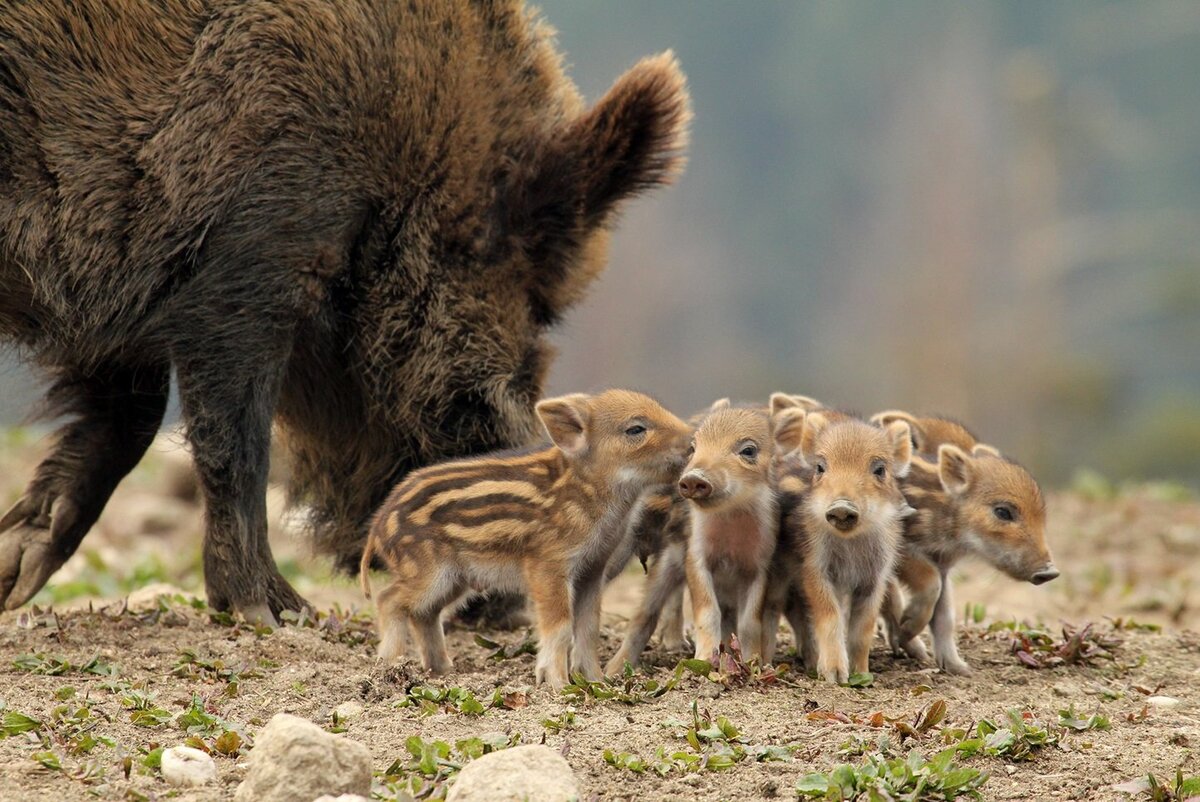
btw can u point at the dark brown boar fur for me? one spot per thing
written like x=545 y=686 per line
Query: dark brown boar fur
x=356 y=218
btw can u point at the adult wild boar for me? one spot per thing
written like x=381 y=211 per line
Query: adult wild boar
x=357 y=218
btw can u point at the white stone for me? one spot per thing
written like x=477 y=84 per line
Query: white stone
x=294 y=759
x=185 y=766
x=348 y=710
x=531 y=773
x=1165 y=702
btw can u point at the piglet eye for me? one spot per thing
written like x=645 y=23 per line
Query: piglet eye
x=749 y=451
x=879 y=470
x=819 y=468
x=691 y=449
x=1003 y=512
x=635 y=430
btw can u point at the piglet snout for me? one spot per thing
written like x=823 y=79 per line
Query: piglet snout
x=842 y=514
x=694 y=486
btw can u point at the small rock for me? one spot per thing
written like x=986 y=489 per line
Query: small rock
x=531 y=773
x=185 y=766
x=342 y=798
x=1164 y=702
x=294 y=759
x=348 y=710
x=1064 y=689
x=1011 y=770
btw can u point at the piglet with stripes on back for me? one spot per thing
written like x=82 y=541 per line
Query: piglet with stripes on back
x=543 y=521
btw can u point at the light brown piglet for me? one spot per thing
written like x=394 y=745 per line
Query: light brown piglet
x=544 y=521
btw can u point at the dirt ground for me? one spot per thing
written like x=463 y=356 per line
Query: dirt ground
x=90 y=689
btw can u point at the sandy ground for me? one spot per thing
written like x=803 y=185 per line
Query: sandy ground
x=1127 y=557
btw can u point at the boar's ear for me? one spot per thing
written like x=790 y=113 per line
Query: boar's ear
x=788 y=429
x=814 y=424
x=984 y=450
x=914 y=425
x=633 y=138
x=782 y=401
x=954 y=468
x=566 y=421
x=900 y=433
x=720 y=404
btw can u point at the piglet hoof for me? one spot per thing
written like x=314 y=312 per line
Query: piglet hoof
x=915 y=649
x=616 y=666
x=680 y=644
x=838 y=675
x=954 y=665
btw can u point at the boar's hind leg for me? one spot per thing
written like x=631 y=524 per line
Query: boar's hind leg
x=116 y=413
x=228 y=388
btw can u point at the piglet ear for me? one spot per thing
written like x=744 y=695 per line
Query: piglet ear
x=720 y=404
x=814 y=424
x=566 y=420
x=782 y=401
x=954 y=468
x=902 y=447
x=914 y=424
x=633 y=139
x=788 y=428
x=984 y=450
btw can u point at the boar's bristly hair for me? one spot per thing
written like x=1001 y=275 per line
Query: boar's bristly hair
x=352 y=218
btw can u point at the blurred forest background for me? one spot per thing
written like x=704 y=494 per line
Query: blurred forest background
x=990 y=210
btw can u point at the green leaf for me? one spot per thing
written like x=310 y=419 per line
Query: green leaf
x=864 y=680
x=15 y=723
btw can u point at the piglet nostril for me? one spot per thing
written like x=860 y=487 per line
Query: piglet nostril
x=1044 y=576
x=695 y=487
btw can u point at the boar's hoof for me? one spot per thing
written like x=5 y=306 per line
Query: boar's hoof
x=280 y=597
x=31 y=534
x=27 y=560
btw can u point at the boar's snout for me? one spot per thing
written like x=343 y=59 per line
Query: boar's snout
x=1045 y=575
x=694 y=486
x=842 y=514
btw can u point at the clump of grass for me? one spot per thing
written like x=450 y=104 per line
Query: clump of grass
x=53 y=665
x=713 y=745
x=1182 y=788
x=912 y=777
x=1068 y=719
x=430 y=766
x=1021 y=740
x=190 y=665
x=1037 y=648
x=629 y=688
x=502 y=652
x=430 y=700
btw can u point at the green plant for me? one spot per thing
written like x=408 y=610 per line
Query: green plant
x=1069 y=720
x=714 y=745
x=430 y=700
x=909 y=778
x=1182 y=789
x=1036 y=648
x=430 y=766
x=53 y=665
x=1020 y=740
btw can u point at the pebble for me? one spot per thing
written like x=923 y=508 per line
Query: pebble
x=185 y=766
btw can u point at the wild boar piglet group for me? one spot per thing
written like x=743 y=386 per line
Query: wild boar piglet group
x=788 y=510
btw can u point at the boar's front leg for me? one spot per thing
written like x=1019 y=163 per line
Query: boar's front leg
x=117 y=413
x=228 y=387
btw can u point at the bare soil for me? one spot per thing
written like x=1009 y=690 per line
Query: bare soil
x=1127 y=557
